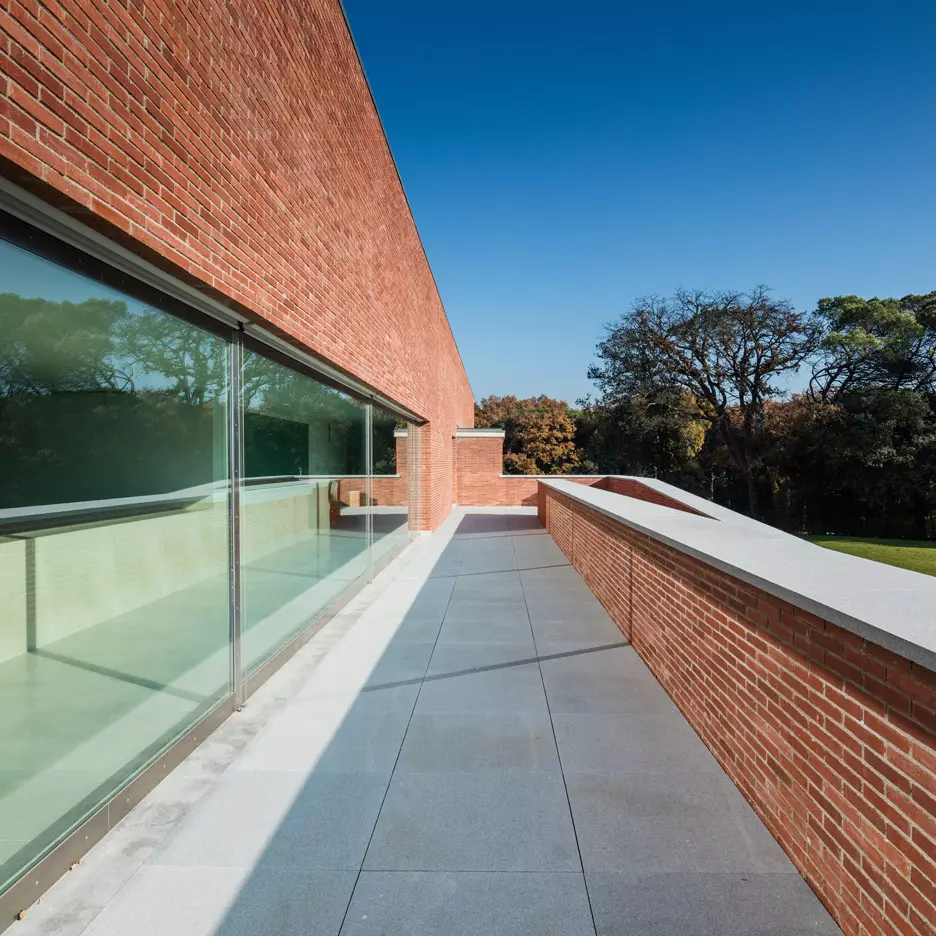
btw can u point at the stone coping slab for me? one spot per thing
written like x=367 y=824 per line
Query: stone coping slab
x=892 y=607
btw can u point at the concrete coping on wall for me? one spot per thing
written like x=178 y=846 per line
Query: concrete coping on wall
x=480 y=433
x=891 y=607
x=553 y=477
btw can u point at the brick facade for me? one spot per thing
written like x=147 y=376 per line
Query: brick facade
x=479 y=463
x=831 y=738
x=237 y=147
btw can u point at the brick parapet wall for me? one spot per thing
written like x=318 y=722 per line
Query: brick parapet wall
x=831 y=737
x=480 y=480
x=236 y=146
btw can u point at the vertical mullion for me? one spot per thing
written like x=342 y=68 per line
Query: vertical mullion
x=412 y=508
x=369 y=484
x=416 y=474
x=236 y=471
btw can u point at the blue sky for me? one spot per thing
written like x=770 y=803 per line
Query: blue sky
x=563 y=159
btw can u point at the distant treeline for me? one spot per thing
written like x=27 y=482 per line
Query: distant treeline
x=694 y=389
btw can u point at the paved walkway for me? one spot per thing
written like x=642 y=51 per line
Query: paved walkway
x=477 y=752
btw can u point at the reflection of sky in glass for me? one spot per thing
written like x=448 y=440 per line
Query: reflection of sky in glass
x=34 y=277
x=31 y=276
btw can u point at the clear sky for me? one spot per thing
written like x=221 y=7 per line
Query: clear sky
x=564 y=158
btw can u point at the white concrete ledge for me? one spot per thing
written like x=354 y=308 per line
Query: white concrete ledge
x=554 y=477
x=480 y=433
x=891 y=607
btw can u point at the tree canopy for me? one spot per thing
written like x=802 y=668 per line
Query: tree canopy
x=880 y=343
x=726 y=350
x=696 y=388
x=540 y=433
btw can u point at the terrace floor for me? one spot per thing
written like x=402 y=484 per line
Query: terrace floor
x=470 y=747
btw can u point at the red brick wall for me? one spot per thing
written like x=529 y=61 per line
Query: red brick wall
x=480 y=482
x=236 y=146
x=479 y=466
x=479 y=463
x=830 y=737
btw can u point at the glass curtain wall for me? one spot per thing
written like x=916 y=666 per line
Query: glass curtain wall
x=114 y=619
x=304 y=527
x=117 y=467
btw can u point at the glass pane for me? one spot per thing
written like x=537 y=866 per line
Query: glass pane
x=390 y=483
x=114 y=627
x=303 y=522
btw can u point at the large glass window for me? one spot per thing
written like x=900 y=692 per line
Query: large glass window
x=114 y=621
x=390 y=484
x=304 y=529
x=117 y=626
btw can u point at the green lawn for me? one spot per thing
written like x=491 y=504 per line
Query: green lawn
x=907 y=554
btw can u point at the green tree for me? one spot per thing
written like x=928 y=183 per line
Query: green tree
x=875 y=343
x=885 y=472
x=863 y=464
x=725 y=349
x=658 y=435
x=539 y=433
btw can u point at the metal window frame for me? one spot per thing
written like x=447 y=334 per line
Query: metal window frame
x=236 y=471
x=369 y=486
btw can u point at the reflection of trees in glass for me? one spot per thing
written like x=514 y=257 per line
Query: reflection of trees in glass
x=55 y=347
x=384 y=443
x=272 y=388
x=101 y=345
x=295 y=425
x=192 y=363
x=98 y=400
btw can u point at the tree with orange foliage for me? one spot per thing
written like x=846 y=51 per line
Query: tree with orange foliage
x=540 y=433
